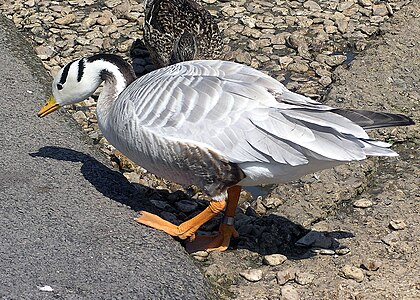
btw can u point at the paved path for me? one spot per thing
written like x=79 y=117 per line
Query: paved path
x=66 y=219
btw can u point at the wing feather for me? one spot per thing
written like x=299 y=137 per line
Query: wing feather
x=241 y=113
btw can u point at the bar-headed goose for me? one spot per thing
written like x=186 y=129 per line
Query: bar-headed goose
x=218 y=125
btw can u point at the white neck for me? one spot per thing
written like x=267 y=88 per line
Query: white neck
x=115 y=75
x=113 y=84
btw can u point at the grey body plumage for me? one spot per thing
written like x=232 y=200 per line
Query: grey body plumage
x=216 y=124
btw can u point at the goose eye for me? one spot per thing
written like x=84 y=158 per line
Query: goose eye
x=59 y=86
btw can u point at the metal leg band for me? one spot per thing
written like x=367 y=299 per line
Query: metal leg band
x=228 y=220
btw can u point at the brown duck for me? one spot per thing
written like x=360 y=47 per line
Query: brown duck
x=180 y=30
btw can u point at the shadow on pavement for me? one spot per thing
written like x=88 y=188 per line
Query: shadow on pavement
x=264 y=235
x=111 y=184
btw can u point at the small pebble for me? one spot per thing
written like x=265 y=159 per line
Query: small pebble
x=342 y=251
x=45 y=288
x=259 y=208
x=365 y=2
x=274 y=259
x=44 y=52
x=397 y=224
x=158 y=203
x=288 y=292
x=252 y=275
x=285 y=276
x=272 y=202
x=80 y=117
x=391 y=238
x=199 y=258
x=312 y=5
x=170 y=217
x=132 y=177
x=351 y=272
x=389 y=8
x=323 y=251
x=371 y=265
x=200 y=255
x=363 y=203
x=335 y=60
x=66 y=20
x=315 y=239
x=325 y=80
x=380 y=10
x=304 y=278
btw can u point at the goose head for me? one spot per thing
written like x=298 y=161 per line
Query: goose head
x=79 y=79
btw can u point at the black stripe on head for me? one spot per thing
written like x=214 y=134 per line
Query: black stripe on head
x=81 y=69
x=65 y=73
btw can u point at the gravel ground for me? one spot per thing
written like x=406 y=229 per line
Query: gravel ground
x=67 y=220
x=347 y=233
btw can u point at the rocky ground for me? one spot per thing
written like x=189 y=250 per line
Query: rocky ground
x=347 y=233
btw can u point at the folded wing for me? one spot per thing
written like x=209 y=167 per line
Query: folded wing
x=247 y=116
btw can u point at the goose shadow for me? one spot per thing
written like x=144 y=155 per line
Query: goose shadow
x=262 y=234
x=111 y=183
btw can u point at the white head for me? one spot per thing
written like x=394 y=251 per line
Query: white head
x=79 y=79
x=75 y=82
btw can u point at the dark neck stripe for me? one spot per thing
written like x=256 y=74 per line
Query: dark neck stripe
x=80 y=70
x=106 y=75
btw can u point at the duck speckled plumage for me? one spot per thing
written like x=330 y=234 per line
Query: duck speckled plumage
x=218 y=125
x=180 y=30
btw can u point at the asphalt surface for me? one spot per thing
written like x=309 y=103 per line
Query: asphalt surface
x=66 y=218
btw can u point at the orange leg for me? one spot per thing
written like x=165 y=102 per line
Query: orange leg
x=186 y=229
x=226 y=230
